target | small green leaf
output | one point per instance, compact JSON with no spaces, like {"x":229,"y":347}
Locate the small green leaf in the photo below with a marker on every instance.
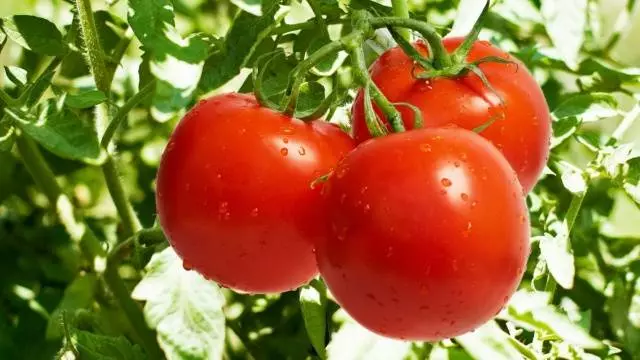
{"x":557,"y":254}
{"x":85,"y":99}
{"x":78,"y":295}
{"x":566,"y":22}
{"x":18,"y":76}
{"x":354,"y":342}
{"x":251,"y":6}
{"x":244,"y":34}
{"x":573,"y":178}
{"x":183,"y":307}
{"x":329,"y":65}
{"x":490,"y":342}
{"x":531,"y":310}
{"x":99,"y":347}
{"x":62,"y":132}
{"x":631,"y":182}
{"x":36,"y":34}
{"x":313,"y":302}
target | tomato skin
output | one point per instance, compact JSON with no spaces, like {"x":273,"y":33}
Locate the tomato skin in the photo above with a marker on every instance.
{"x":522,"y":129}
{"x":430,"y":233}
{"x":234,"y":192}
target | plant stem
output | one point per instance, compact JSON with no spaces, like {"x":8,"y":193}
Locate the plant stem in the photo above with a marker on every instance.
{"x":401,"y":10}
{"x":130,"y":222}
{"x":6,"y":99}
{"x":91,"y":245}
{"x":95,"y":54}
{"x":362,"y":75}
{"x":136,"y":99}
{"x":441,"y":57}
{"x":297,"y":75}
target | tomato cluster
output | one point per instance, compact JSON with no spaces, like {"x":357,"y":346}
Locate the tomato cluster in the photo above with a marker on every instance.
{"x":419,"y":235}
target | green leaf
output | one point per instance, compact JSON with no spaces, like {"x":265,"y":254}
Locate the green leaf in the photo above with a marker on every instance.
{"x":580,"y":108}
{"x":62,"y":132}
{"x":99,"y":347}
{"x":531,"y":311}
{"x":329,"y":65}
{"x":353,"y":342}
{"x":624,"y":323}
{"x":245,"y":33}
{"x":85,"y":99}
{"x":78,"y":295}
{"x":587,"y":107}
{"x":16,"y":75}
{"x":557,"y":254}
{"x":36,"y":34}
{"x":566,"y":22}
{"x":183,"y":307}
{"x":251,"y":6}
{"x":490,"y":342}
{"x":631,"y":182}
{"x":313,"y":303}
{"x":311,"y":96}
{"x":573,"y":178}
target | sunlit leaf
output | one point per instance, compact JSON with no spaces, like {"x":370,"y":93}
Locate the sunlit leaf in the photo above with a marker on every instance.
{"x":35,"y":33}
{"x":183,"y":307}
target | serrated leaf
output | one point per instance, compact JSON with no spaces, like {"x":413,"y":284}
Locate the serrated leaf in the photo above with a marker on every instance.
{"x":489,"y":342}
{"x":531,"y":311}
{"x":62,"y":132}
{"x":99,"y":347}
{"x":354,"y":342}
{"x":245,"y":32}
{"x":85,"y":99}
{"x":18,"y":76}
{"x":183,"y":307}
{"x":36,"y":34}
{"x":566,"y":21}
{"x":557,"y":254}
{"x":78,"y":295}
{"x":313,"y":303}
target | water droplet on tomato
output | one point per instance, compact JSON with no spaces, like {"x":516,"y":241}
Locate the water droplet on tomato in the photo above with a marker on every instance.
{"x":219,"y":176}
{"x":302,"y":151}
{"x":371,"y":296}
{"x":284,"y":151}
{"x":443,"y":192}
{"x":367,"y":207}
{"x":474,"y":204}
{"x":463,"y":156}
{"x":187,"y":266}
{"x":522,"y":219}
{"x":425,"y":148}
{"x":285,"y":140}
{"x":343,"y":197}
{"x":456,"y":163}
{"x":446,"y":182}
{"x":452,"y":322}
{"x":287,"y":130}
{"x":389,"y":251}
{"x":464,"y":197}
{"x":254,"y":212}
{"x":223,"y":211}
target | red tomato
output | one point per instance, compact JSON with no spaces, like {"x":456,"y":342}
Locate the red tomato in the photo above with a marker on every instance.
{"x":430,"y":233}
{"x":235,"y":194}
{"x":522,"y":128}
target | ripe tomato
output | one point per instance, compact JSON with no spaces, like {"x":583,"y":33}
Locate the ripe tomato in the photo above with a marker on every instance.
{"x":430,"y":233}
{"x":235,"y":195}
{"x":522,"y":126}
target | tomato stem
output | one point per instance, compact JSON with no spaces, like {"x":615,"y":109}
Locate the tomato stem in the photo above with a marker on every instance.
{"x":95,"y":54}
{"x":441,"y":58}
{"x":136,"y":99}
{"x":297,"y":76}
{"x":362,"y":75}
{"x":461,"y":53}
{"x":401,"y":10}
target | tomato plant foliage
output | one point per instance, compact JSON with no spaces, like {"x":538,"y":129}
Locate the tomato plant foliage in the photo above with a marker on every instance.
{"x":92,"y":90}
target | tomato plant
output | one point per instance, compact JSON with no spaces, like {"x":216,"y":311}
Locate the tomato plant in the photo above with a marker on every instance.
{"x":107,"y":250}
{"x":511,"y":105}
{"x":234,"y":192}
{"x":430,"y":233}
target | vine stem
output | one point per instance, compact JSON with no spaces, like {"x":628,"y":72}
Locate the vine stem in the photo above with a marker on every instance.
{"x":441,"y":57}
{"x":91,"y":246}
{"x":134,"y":101}
{"x":96,"y":59}
{"x":362,"y":74}
{"x":401,"y":10}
